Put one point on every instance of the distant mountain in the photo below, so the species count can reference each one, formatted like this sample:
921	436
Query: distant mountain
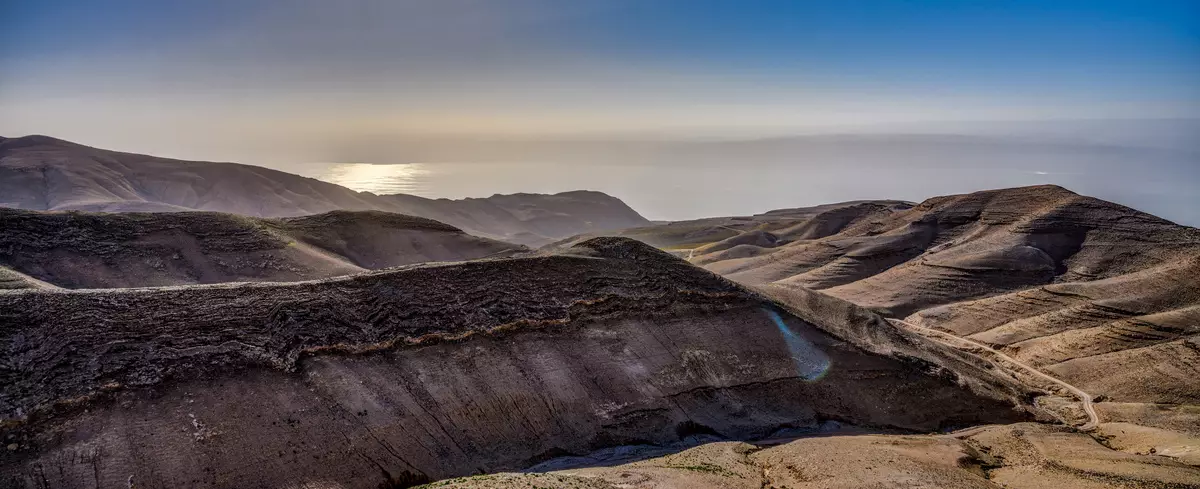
102	250
43	173
777	227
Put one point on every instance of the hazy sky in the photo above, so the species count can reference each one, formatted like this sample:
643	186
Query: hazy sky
195	78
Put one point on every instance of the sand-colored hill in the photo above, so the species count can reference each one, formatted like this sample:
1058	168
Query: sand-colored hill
102	250
1133	340
771	228
436	371
961	247
1018	456
1101	296
43	173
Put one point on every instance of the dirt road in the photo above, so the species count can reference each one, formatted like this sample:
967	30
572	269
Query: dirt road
1085	398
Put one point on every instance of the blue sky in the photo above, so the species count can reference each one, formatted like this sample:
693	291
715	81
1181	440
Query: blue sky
533	67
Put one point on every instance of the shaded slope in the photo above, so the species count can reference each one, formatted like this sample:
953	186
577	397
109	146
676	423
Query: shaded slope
43	173
433	370
99	250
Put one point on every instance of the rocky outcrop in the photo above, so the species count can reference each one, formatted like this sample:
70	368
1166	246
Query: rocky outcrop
432	371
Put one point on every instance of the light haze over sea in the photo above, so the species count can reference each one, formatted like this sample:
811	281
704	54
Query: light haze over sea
1153	166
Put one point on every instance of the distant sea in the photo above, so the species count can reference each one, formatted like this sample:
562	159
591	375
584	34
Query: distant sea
1166	184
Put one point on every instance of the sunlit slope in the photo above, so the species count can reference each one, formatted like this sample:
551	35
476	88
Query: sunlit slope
954	248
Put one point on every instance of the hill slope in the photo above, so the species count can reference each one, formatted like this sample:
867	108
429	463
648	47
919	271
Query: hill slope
434	371
1018	456
961	247
43	173
1101	296
101	250
782	226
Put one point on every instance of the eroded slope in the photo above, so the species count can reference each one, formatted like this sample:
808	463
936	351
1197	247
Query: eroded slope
1019	456
435	371
954	248
100	250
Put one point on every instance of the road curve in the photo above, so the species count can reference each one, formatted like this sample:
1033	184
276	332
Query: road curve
1085	398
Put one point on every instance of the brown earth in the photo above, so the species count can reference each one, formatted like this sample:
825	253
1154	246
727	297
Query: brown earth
1018	456
102	250
433	370
43	173
781	225
949	249
1098	295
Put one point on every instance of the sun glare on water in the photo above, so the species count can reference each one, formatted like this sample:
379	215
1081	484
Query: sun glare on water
378	178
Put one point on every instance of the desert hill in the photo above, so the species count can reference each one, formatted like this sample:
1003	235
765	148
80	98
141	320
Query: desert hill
436	371
954	248
1133	339
43	173
1099	295
1017	456
103	250
773	228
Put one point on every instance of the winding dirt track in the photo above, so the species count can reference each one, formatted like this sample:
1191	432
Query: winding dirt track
1084	398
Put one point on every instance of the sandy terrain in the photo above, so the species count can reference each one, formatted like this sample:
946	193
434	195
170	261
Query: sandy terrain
1018	456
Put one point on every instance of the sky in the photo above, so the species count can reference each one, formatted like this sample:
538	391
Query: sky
116	71
289	83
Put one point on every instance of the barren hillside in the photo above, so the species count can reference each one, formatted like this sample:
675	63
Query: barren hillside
435	371
101	250
1099	295
959	247
1017	456
782	226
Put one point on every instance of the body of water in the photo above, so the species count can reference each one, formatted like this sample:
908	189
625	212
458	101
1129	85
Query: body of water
1162	183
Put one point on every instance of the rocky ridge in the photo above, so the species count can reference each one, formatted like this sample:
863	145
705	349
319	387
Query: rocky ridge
408	371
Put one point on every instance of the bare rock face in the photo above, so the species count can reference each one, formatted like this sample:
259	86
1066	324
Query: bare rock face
99	250
433	371
43	173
